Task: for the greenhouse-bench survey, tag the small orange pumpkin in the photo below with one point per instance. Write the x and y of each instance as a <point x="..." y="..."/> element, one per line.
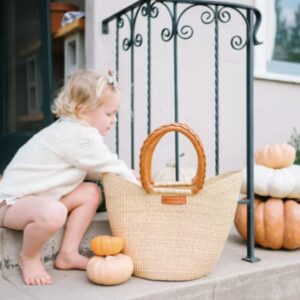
<point x="276" y="156"/>
<point x="110" y="270"/>
<point x="107" y="245"/>
<point x="276" y="223"/>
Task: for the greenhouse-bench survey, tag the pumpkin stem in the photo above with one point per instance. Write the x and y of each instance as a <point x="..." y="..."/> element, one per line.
<point x="172" y="163"/>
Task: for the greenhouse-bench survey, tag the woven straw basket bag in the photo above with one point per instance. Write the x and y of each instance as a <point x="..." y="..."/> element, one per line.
<point x="173" y="231"/>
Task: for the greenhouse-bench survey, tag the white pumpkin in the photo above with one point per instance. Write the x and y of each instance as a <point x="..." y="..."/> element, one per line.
<point x="168" y="173"/>
<point x="278" y="183"/>
<point x="295" y="170"/>
<point x="110" y="270"/>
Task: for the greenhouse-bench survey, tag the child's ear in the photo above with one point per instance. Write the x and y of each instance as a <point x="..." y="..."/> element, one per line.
<point x="78" y="110"/>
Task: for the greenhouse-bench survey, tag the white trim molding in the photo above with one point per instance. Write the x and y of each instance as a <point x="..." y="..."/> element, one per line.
<point x="263" y="53"/>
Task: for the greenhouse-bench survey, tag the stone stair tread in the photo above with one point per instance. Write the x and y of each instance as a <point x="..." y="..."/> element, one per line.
<point x="11" y="242"/>
<point x="75" y="285"/>
<point x="276" y="276"/>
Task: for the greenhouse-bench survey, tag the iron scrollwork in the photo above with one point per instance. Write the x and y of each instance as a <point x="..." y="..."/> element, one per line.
<point x="166" y="33"/>
<point x="236" y="41"/>
<point x="213" y="13"/>
<point x="135" y="40"/>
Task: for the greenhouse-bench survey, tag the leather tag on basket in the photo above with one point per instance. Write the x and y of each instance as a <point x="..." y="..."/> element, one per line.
<point x="177" y="200"/>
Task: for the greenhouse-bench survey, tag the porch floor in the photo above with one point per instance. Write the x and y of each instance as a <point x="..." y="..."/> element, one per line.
<point x="276" y="276"/>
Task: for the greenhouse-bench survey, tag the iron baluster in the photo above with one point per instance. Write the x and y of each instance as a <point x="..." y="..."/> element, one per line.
<point x="149" y="67"/>
<point x="250" y="164"/>
<point x="132" y="90"/>
<point x="216" y="90"/>
<point x="117" y="77"/>
<point x="175" y="49"/>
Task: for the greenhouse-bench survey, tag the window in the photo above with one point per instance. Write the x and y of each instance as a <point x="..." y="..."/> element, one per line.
<point x="279" y="56"/>
<point x="33" y="98"/>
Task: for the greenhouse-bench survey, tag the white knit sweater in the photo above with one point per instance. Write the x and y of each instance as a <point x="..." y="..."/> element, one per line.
<point x="57" y="159"/>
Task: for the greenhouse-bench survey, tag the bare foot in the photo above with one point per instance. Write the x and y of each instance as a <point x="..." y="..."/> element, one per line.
<point x="71" y="260"/>
<point x="33" y="271"/>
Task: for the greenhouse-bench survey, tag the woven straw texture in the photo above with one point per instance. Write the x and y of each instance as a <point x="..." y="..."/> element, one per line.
<point x="172" y="242"/>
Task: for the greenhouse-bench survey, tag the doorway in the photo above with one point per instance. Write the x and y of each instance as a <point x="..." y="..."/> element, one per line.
<point x="25" y="80"/>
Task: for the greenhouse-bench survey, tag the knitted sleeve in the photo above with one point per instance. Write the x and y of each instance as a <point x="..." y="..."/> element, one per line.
<point x="89" y="152"/>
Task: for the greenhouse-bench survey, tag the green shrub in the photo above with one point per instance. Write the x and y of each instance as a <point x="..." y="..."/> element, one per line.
<point x="295" y="142"/>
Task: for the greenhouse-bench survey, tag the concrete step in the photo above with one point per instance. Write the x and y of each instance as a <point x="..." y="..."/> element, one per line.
<point x="275" y="277"/>
<point x="11" y="242"/>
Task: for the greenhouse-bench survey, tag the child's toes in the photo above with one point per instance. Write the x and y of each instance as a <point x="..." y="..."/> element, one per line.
<point x="47" y="279"/>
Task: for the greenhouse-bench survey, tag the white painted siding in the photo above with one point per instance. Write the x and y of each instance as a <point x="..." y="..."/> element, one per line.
<point x="277" y="105"/>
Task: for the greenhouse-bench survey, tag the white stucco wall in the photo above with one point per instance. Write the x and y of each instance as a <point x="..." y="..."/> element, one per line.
<point x="276" y="104"/>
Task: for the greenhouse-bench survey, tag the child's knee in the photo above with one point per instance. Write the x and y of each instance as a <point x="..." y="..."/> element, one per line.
<point x="93" y="193"/>
<point x="54" y="216"/>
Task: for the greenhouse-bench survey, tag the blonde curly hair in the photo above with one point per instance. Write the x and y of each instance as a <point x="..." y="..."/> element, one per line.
<point x="83" y="92"/>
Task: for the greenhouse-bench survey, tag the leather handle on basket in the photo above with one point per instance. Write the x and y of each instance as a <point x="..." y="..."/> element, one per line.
<point x="150" y="144"/>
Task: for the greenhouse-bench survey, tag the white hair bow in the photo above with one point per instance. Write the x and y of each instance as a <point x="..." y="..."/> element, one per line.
<point x="111" y="78"/>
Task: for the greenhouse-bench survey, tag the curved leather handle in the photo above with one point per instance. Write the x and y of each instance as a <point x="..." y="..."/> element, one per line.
<point x="150" y="144"/>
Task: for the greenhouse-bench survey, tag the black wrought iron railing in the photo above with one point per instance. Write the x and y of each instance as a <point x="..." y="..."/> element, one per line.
<point x="215" y="13"/>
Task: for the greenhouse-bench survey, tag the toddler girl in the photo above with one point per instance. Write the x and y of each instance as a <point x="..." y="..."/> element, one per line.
<point x="42" y="188"/>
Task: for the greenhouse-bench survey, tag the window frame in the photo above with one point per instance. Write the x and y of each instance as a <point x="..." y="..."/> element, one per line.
<point x="263" y="52"/>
